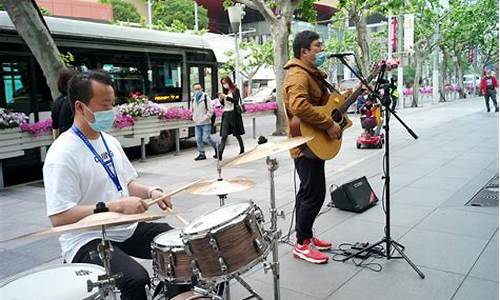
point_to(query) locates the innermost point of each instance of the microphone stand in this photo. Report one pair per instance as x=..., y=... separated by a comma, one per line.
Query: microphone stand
x=389, y=242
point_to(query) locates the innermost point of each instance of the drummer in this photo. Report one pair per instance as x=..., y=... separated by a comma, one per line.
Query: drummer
x=86, y=166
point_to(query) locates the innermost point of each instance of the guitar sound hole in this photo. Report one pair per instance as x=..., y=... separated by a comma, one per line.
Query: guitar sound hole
x=337, y=116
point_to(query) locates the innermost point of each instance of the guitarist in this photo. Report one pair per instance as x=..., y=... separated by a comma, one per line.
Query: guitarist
x=305, y=86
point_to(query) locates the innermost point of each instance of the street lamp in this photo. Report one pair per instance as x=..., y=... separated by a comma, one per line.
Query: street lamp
x=236, y=14
x=150, y=15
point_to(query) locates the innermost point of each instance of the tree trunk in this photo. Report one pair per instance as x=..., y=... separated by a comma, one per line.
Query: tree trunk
x=361, y=38
x=30, y=27
x=281, y=31
x=416, y=81
x=442, y=71
x=460, y=70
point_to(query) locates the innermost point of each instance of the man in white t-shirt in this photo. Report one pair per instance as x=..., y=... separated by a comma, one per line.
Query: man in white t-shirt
x=86, y=166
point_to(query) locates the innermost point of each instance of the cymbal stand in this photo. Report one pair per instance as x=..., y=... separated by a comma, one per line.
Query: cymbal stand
x=106, y=284
x=274, y=232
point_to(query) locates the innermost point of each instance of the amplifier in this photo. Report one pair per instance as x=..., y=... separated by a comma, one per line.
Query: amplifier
x=356, y=195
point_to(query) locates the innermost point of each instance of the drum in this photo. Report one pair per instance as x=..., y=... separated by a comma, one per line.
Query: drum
x=226, y=241
x=61, y=282
x=170, y=260
x=190, y=296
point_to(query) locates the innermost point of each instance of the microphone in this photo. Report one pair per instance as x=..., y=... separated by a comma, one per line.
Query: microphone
x=338, y=55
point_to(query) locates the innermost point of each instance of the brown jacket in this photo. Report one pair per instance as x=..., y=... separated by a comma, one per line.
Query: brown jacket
x=301, y=91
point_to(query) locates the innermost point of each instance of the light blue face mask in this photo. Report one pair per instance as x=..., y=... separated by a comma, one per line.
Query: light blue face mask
x=103, y=120
x=320, y=58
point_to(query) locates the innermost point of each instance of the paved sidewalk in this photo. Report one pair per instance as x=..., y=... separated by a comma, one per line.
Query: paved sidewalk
x=456, y=246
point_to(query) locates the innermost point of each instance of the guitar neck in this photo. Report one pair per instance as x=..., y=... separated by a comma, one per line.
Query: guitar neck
x=352, y=98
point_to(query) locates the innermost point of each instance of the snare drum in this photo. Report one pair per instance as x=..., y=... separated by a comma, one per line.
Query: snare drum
x=226, y=241
x=170, y=260
x=190, y=296
x=68, y=281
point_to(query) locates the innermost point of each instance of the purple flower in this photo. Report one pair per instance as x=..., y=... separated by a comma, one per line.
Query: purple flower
x=177, y=113
x=37, y=128
x=122, y=121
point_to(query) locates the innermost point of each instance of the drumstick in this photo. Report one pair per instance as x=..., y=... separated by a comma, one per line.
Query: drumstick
x=177, y=216
x=150, y=202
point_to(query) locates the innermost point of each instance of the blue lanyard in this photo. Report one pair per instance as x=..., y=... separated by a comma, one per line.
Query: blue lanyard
x=112, y=174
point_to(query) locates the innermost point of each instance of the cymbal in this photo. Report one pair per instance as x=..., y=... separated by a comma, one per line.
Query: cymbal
x=268, y=149
x=220, y=186
x=95, y=221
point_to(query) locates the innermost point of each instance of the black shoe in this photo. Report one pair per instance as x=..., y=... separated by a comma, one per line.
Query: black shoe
x=242, y=151
x=215, y=156
x=488, y=109
x=496, y=109
x=201, y=157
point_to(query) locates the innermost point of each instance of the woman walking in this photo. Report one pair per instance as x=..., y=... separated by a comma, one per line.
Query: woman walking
x=232, y=123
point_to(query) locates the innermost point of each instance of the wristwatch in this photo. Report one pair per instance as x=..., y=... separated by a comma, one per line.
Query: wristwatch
x=154, y=188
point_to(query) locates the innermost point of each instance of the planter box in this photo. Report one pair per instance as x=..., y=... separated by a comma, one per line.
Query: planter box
x=30, y=141
x=259, y=114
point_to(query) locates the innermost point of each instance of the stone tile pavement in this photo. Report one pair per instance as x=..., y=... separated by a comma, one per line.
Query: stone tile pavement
x=456, y=246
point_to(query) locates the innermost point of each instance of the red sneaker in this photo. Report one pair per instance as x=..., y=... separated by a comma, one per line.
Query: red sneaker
x=308, y=253
x=321, y=245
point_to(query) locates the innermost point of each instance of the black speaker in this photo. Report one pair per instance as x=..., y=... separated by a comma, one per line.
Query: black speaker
x=356, y=196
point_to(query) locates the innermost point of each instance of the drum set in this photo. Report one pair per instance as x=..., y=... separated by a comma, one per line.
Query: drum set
x=208, y=254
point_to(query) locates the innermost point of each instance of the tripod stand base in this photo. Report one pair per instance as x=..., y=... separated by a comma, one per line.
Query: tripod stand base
x=397, y=246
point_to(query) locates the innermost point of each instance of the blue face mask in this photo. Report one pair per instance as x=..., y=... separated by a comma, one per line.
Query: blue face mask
x=320, y=58
x=103, y=120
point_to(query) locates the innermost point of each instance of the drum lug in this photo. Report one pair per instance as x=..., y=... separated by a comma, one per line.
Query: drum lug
x=213, y=243
x=187, y=247
x=248, y=225
x=259, y=216
x=223, y=265
x=170, y=265
x=258, y=246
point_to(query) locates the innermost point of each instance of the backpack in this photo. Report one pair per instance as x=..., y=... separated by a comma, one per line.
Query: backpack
x=212, y=118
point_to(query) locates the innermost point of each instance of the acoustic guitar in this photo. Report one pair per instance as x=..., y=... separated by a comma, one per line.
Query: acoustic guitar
x=322, y=146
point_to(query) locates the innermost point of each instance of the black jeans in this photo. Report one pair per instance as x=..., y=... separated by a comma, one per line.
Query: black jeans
x=135, y=277
x=310, y=196
x=490, y=94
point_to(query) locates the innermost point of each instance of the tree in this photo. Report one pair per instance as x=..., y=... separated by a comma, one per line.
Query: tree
x=124, y=11
x=279, y=14
x=166, y=12
x=26, y=18
x=253, y=57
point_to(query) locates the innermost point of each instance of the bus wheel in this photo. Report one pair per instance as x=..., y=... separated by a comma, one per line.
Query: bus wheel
x=163, y=143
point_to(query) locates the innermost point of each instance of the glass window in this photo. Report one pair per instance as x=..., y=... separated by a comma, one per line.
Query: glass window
x=208, y=80
x=16, y=92
x=127, y=79
x=166, y=85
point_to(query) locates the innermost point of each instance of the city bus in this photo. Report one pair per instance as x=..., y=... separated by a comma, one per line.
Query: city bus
x=161, y=65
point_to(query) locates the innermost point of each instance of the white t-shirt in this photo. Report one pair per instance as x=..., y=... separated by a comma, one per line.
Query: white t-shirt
x=72, y=176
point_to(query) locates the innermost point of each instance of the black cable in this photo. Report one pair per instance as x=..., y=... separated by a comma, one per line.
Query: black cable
x=286, y=238
x=342, y=250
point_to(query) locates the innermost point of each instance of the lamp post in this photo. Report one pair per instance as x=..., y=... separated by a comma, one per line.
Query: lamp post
x=236, y=13
x=150, y=15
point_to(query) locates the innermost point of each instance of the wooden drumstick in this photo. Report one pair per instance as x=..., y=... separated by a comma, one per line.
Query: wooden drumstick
x=150, y=202
x=177, y=216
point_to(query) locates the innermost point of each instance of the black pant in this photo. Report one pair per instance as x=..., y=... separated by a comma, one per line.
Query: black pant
x=135, y=277
x=310, y=196
x=493, y=95
x=223, y=144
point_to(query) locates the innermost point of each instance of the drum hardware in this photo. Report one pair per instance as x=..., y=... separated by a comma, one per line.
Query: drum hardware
x=105, y=284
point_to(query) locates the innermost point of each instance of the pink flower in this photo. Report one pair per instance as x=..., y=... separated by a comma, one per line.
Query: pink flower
x=177, y=113
x=261, y=107
x=37, y=128
x=122, y=121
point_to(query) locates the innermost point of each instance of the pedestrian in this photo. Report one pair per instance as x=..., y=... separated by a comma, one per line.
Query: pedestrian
x=202, y=109
x=61, y=112
x=489, y=84
x=86, y=169
x=232, y=122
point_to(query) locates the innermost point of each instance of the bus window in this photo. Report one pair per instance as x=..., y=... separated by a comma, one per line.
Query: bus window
x=208, y=80
x=167, y=81
x=127, y=79
x=16, y=92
